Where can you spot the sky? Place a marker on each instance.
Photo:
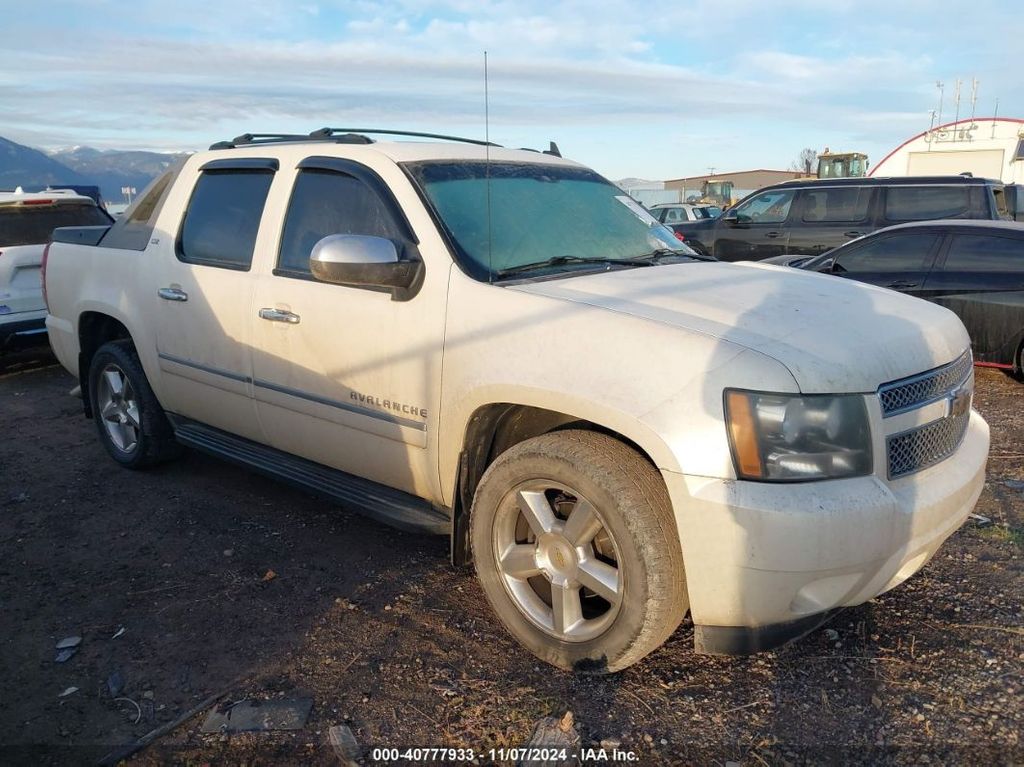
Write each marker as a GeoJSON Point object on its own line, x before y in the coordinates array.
{"type": "Point", "coordinates": [653, 90]}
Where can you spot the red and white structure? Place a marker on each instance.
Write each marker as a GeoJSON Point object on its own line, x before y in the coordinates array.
{"type": "Point", "coordinates": [989, 147]}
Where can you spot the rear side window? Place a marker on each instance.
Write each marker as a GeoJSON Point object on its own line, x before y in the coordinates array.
{"type": "Point", "coordinates": [223, 218]}
{"type": "Point", "coordinates": [33, 224]}
{"type": "Point", "coordinates": [134, 228]}
{"type": "Point", "coordinates": [327, 202]}
{"type": "Point", "coordinates": [837, 205]}
{"type": "Point", "coordinates": [895, 253]}
{"type": "Point", "coordinates": [985, 253]}
{"type": "Point", "coordinates": [920, 203]}
{"type": "Point", "coordinates": [673, 215]}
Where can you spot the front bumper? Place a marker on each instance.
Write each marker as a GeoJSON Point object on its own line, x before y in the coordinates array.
{"type": "Point", "coordinates": [767, 562]}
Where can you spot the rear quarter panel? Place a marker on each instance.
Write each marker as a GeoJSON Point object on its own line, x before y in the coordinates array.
{"type": "Point", "coordinates": [82, 279]}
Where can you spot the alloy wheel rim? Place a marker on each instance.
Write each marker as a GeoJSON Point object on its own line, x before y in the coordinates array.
{"type": "Point", "coordinates": [558, 561]}
{"type": "Point", "coordinates": [119, 408]}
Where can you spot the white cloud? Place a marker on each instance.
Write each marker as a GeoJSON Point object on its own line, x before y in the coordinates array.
{"type": "Point", "coordinates": [704, 82]}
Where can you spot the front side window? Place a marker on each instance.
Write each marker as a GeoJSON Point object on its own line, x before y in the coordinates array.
{"type": "Point", "coordinates": [984, 253]}
{"type": "Point", "coordinates": [894, 253]}
{"type": "Point", "coordinates": [502, 216]}
{"type": "Point", "coordinates": [766, 208]}
{"type": "Point", "coordinates": [324, 203]}
{"type": "Point", "coordinates": [920, 203]}
{"type": "Point", "coordinates": [837, 205]}
{"type": "Point", "coordinates": [223, 218]}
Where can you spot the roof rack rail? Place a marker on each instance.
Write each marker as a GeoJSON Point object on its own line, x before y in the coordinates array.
{"type": "Point", "coordinates": [350, 136]}
{"type": "Point", "coordinates": [247, 139]}
{"type": "Point", "coordinates": [327, 133]}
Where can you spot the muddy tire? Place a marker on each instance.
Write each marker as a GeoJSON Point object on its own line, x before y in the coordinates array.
{"type": "Point", "coordinates": [577, 550]}
{"type": "Point", "coordinates": [131, 424]}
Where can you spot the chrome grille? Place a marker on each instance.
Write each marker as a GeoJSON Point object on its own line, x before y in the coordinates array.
{"type": "Point", "coordinates": [927, 445]}
{"type": "Point", "coordinates": [908, 393]}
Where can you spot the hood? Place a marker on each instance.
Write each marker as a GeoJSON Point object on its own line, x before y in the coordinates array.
{"type": "Point", "coordinates": [694, 226]}
{"type": "Point", "coordinates": [833, 334]}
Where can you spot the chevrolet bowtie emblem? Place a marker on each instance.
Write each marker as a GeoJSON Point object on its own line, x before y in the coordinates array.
{"type": "Point", "coordinates": [959, 402]}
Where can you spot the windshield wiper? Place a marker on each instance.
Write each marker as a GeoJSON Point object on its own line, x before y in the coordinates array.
{"type": "Point", "coordinates": [655, 256]}
{"type": "Point", "coordinates": [560, 260]}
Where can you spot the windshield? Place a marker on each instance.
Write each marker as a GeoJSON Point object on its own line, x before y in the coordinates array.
{"type": "Point", "coordinates": [565, 216]}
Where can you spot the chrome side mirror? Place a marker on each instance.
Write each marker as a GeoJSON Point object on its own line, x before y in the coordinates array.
{"type": "Point", "coordinates": [361, 261]}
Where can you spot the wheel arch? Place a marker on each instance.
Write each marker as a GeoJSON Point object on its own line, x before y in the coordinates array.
{"type": "Point", "coordinates": [493, 428]}
{"type": "Point", "coordinates": [95, 328]}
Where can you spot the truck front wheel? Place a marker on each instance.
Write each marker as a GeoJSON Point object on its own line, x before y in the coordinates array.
{"type": "Point", "coordinates": [131, 424]}
{"type": "Point", "coordinates": [576, 548]}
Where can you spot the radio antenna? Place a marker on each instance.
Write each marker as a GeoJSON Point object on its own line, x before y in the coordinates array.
{"type": "Point", "coordinates": [487, 167]}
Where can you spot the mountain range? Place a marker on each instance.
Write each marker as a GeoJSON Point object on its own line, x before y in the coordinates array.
{"type": "Point", "coordinates": [109, 169]}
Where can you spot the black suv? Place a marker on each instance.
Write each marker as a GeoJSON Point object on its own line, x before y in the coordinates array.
{"type": "Point", "coordinates": [812, 216]}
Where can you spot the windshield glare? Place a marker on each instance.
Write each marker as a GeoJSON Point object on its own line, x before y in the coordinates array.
{"type": "Point", "coordinates": [537, 212]}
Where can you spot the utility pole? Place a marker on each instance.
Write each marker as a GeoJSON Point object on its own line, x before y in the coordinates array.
{"type": "Point", "coordinates": [956, 99]}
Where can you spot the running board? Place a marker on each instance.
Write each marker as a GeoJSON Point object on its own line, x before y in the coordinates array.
{"type": "Point", "coordinates": [385, 504]}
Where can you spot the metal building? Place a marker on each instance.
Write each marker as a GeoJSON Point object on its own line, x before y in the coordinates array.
{"type": "Point", "coordinates": [988, 147]}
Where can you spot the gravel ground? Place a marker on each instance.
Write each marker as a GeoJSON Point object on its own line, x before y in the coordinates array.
{"type": "Point", "coordinates": [224, 581]}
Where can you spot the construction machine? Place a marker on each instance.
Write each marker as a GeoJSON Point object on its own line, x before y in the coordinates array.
{"type": "Point", "coordinates": [716, 193]}
{"type": "Point", "coordinates": [842, 164]}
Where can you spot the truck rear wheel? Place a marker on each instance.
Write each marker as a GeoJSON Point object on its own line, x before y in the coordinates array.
{"type": "Point", "coordinates": [577, 550]}
{"type": "Point", "coordinates": [131, 424]}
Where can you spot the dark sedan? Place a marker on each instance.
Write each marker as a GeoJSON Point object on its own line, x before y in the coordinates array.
{"type": "Point", "coordinates": [974, 268]}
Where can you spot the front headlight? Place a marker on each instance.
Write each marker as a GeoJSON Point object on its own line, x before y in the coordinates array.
{"type": "Point", "coordinates": [787, 437]}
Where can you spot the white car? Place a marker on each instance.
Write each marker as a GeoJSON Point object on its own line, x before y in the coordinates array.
{"type": "Point", "coordinates": [680, 213]}
{"type": "Point", "coordinates": [503, 347]}
{"type": "Point", "coordinates": [26, 221]}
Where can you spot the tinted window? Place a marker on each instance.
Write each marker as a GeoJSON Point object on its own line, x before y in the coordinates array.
{"type": "Point", "coordinates": [33, 224]}
{"type": "Point", "coordinates": [847, 204]}
{"type": "Point", "coordinates": [918, 203]}
{"type": "Point", "coordinates": [223, 218]}
{"type": "Point", "coordinates": [895, 253]}
{"type": "Point", "coordinates": [325, 203]}
{"type": "Point", "coordinates": [767, 207]}
{"type": "Point", "coordinates": [985, 253]}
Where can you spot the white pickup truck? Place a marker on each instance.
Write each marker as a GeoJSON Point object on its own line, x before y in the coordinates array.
{"type": "Point", "coordinates": [499, 346]}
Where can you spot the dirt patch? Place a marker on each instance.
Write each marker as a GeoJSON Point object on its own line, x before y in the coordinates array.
{"type": "Point", "coordinates": [385, 636]}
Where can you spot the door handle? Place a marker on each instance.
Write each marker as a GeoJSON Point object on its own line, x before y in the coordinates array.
{"type": "Point", "coordinates": [772, 235]}
{"type": "Point", "coordinates": [279, 315]}
{"type": "Point", "coordinates": [851, 235]}
{"type": "Point", "coordinates": [899, 285]}
{"type": "Point", "coordinates": [172, 294]}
